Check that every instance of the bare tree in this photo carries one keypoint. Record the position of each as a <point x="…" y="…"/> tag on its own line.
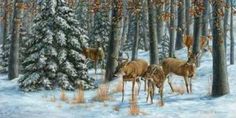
<point x="226" y="22"/>
<point x="205" y="18"/>
<point x="220" y="84"/>
<point x="13" y="67"/>
<point x="115" y="36"/>
<point x="231" y="35"/>
<point x="5" y="24"/>
<point x="197" y="30"/>
<point x="137" y="10"/>
<point x="160" y="26"/>
<point x="153" y="33"/>
<point x="126" y="26"/>
<point x="172" y="29"/>
<point x="181" y="26"/>
<point x="188" y="17"/>
<point x="1" y="20"/>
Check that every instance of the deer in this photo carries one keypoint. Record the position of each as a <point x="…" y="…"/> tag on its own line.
<point x="156" y="77"/>
<point x="186" y="69"/>
<point x="131" y="71"/>
<point x="94" y="54"/>
<point x="188" y="42"/>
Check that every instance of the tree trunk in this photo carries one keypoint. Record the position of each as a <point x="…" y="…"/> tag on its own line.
<point x="205" y="18"/>
<point x="145" y="26"/>
<point x="160" y="28"/>
<point x="13" y="67"/>
<point x="114" y="43"/>
<point x="231" y="34"/>
<point x="211" y="18"/>
<point x="1" y="21"/>
<point x="136" y="36"/>
<point x="220" y="84"/>
<point x="126" y="26"/>
<point x="136" y="40"/>
<point x="5" y="24"/>
<point x="226" y="24"/>
<point x="153" y="33"/>
<point x="180" y="28"/>
<point x="196" y="32"/>
<point x="188" y="18"/>
<point x="172" y="30"/>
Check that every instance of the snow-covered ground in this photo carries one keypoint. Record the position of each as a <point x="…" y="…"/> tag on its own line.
<point x="17" y="104"/>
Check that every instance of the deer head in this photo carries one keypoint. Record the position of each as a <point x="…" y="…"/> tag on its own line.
<point x="192" y="58"/>
<point x="120" y="69"/>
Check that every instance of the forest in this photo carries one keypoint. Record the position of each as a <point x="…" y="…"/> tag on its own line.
<point x="117" y="58"/>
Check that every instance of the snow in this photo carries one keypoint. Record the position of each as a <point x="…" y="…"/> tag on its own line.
<point x="15" y="103"/>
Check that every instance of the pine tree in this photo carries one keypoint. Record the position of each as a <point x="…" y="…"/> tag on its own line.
<point x="82" y="14"/>
<point x="5" y="55"/>
<point x="53" y="52"/>
<point x="101" y="30"/>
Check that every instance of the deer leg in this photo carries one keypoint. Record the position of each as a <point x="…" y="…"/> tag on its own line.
<point x="190" y="81"/>
<point x="123" y="91"/>
<point x="169" y="81"/>
<point x="161" y="95"/>
<point x="139" y="85"/>
<point x="133" y="85"/>
<point x="186" y="83"/>
<point x="152" y="91"/>
<point x="95" y="66"/>
<point x="148" y="92"/>
<point x="145" y="84"/>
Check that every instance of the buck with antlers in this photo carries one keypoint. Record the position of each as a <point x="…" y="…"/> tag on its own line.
<point x="186" y="69"/>
<point x="94" y="54"/>
<point x="131" y="71"/>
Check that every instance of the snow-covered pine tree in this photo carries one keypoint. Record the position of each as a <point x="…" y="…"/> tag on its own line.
<point x="5" y="55"/>
<point x="82" y="14"/>
<point x="1" y="55"/>
<point x="102" y="24"/>
<point x="53" y="53"/>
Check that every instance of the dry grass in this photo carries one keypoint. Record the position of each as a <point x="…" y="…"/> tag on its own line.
<point x="134" y="109"/>
<point x="119" y="87"/>
<point x="179" y="89"/>
<point x="79" y="97"/>
<point x="63" y="96"/>
<point x="102" y="93"/>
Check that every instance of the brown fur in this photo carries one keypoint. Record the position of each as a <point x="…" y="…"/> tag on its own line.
<point x="131" y="70"/>
<point x="155" y="76"/>
<point x="95" y="54"/>
<point x="182" y="68"/>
